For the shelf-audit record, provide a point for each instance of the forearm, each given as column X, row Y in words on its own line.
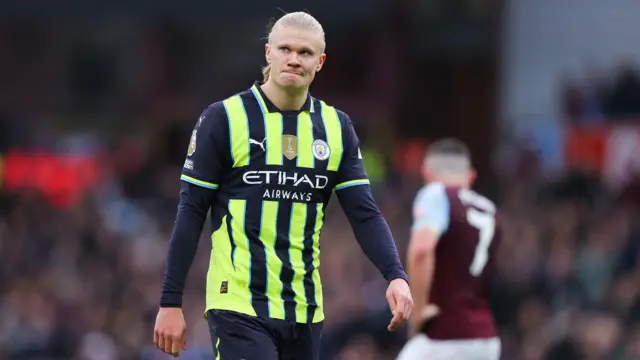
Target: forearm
column 372, row 231
column 192, row 213
column 420, row 269
column 375, row 239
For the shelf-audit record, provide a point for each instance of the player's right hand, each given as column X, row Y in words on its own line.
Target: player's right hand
column 170, row 332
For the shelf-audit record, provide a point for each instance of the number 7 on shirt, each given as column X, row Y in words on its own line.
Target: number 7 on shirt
column 481, row 217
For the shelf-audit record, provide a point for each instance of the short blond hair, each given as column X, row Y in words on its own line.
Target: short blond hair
column 448, row 156
column 300, row 20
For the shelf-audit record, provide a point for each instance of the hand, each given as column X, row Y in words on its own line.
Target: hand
column 417, row 322
column 400, row 303
column 170, row 332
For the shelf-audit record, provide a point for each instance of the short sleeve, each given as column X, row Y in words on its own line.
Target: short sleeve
column 431, row 209
column 207, row 149
column 351, row 172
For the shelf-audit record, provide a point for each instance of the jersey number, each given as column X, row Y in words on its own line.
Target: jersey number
column 486, row 225
column 485, row 222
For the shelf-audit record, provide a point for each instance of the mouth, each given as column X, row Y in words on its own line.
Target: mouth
column 292, row 73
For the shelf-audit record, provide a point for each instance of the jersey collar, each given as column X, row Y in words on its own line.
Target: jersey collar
column 267, row 106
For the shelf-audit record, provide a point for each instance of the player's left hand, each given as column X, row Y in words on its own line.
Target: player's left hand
column 400, row 303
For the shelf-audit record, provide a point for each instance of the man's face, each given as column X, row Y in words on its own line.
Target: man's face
column 295, row 56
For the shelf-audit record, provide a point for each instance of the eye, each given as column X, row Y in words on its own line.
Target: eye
column 284, row 49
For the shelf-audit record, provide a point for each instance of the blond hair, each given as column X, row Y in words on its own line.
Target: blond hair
column 448, row 156
column 299, row 20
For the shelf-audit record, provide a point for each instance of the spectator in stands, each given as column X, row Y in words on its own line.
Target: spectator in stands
column 624, row 99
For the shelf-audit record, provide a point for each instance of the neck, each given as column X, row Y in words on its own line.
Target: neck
column 282, row 99
column 450, row 182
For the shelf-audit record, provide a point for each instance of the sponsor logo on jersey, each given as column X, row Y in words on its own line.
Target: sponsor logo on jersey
column 291, row 182
column 282, row 178
column 259, row 143
column 287, row 195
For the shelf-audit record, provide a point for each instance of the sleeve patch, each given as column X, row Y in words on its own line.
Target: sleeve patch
column 192, row 142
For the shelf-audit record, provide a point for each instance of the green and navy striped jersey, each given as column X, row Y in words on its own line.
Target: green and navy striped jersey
column 274, row 172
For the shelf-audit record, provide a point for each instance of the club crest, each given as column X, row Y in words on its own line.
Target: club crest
column 321, row 150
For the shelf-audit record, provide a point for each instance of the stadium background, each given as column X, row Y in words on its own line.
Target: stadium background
column 98, row 100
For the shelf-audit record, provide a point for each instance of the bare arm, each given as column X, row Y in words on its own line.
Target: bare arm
column 421, row 263
column 431, row 220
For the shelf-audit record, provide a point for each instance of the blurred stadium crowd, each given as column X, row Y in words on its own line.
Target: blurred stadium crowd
column 600, row 94
column 87, row 210
column 82, row 282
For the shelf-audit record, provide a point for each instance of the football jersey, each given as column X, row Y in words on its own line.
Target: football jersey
column 469, row 233
column 274, row 172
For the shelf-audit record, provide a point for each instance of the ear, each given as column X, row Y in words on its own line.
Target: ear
column 321, row 60
column 267, row 53
column 472, row 176
column 426, row 174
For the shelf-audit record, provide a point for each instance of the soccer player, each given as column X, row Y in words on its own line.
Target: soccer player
column 265, row 162
column 450, row 261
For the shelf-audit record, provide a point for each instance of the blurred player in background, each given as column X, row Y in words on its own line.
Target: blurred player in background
column 450, row 261
column 266, row 161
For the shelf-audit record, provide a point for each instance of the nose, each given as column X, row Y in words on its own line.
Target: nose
column 293, row 59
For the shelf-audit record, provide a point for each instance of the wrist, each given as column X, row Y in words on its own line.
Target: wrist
column 399, row 279
column 170, row 300
column 396, row 275
column 170, row 306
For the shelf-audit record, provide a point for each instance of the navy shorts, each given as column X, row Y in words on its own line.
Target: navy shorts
column 237, row 336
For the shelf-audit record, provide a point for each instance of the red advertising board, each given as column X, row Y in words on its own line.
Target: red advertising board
column 61, row 178
column 613, row 151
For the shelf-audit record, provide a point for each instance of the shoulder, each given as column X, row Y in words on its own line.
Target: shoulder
column 212, row 120
column 344, row 118
column 247, row 97
column 213, row 114
column 431, row 208
column 430, row 197
column 472, row 198
column 219, row 111
column 238, row 99
column 431, row 192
